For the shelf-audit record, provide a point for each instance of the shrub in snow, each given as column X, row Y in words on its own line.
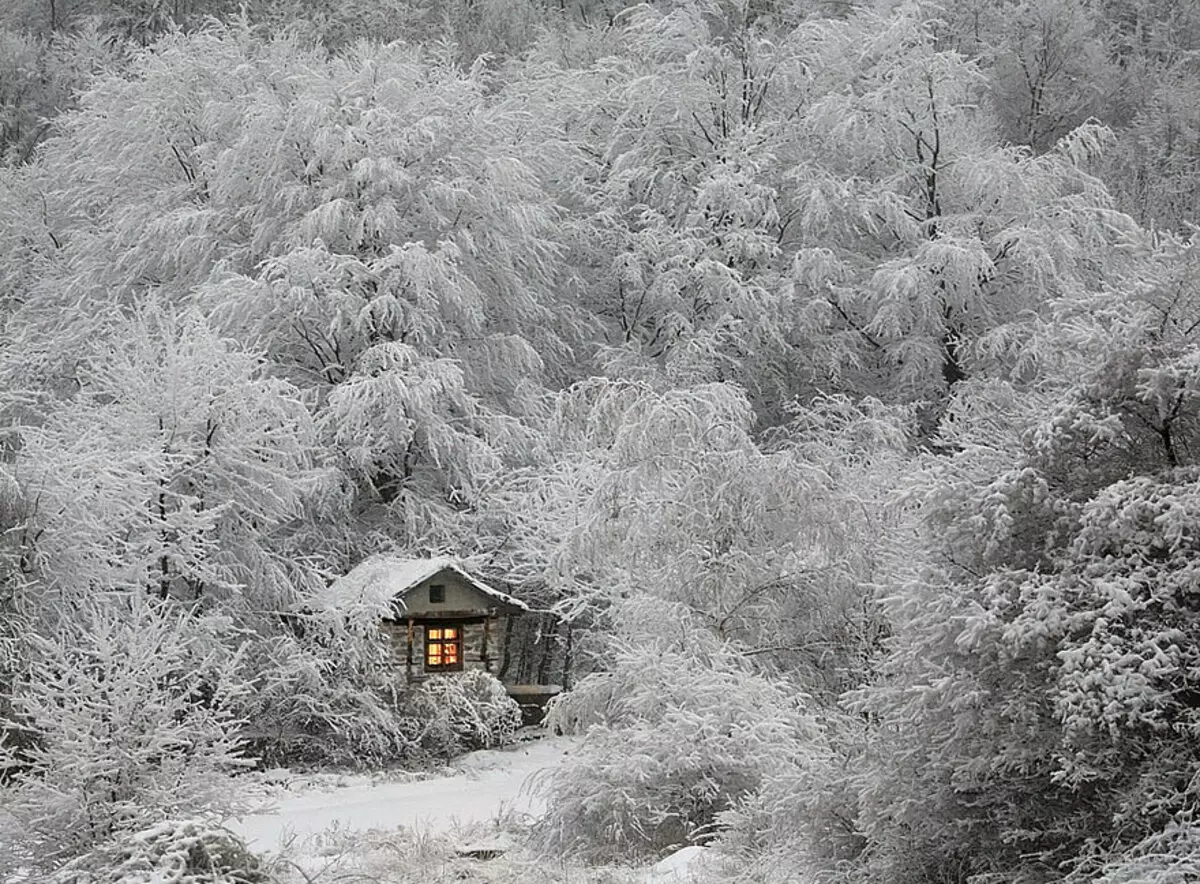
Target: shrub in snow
column 170, row 852
column 802, row 820
column 12, row 739
column 323, row 696
column 672, row 738
column 130, row 724
column 1171, row 856
column 460, row 712
column 1040, row 699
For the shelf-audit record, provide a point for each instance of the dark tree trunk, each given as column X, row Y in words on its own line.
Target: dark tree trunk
column 568, row 657
column 952, row 370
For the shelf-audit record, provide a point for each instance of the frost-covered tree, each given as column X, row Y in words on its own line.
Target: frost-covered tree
column 1036, row 708
column 374, row 223
column 666, row 495
column 139, row 20
column 807, row 205
column 922, row 239
column 459, row 712
column 1048, row 64
column 38, row 78
column 676, row 117
column 1154, row 167
column 173, row 467
column 128, row 708
column 1052, row 64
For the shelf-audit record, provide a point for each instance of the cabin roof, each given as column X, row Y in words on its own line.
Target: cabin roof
column 381, row 579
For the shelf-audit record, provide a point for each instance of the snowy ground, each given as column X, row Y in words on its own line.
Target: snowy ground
column 466, row 825
column 486, row 787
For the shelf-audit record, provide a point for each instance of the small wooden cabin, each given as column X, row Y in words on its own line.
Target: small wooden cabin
column 443, row 619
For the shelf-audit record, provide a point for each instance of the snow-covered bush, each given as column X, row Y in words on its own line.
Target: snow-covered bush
column 128, row 710
column 802, row 820
column 323, row 695
column 672, row 738
column 170, row 852
column 460, row 712
column 1037, row 709
column 12, row 738
column 1171, row 856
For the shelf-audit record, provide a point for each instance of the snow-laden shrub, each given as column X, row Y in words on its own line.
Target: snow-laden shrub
column 672, row 738
column 12, row 739
column 128, row 710
column 802, row 820
column 322, row 698
column 1168, row 857
column 170, row 852
column 460, row 712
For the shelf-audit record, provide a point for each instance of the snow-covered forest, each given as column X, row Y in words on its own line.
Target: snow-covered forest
column 825, row 375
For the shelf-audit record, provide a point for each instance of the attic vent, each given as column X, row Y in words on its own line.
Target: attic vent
column 437, row 593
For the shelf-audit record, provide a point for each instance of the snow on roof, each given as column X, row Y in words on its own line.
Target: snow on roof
column 381, row 578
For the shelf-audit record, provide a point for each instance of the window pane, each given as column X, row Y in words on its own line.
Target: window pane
column 443, row 647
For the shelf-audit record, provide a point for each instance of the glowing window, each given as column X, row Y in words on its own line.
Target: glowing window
column 443, row 647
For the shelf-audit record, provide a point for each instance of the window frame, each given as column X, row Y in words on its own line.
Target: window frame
column 435, row 636
column 437, row 593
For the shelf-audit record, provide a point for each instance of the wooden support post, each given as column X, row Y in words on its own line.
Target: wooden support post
column 505, row 658
column 408, row 657
column 483, row 650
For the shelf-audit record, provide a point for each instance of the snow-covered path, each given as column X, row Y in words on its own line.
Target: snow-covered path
column 490, row 785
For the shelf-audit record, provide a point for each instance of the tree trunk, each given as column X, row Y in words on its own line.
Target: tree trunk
column 568, row 657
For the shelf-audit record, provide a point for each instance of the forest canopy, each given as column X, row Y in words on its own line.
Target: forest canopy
column 825, row 374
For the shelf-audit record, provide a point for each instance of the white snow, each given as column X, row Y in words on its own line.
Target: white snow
column 485, row 787
column 676, row 868
column 381, row 578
